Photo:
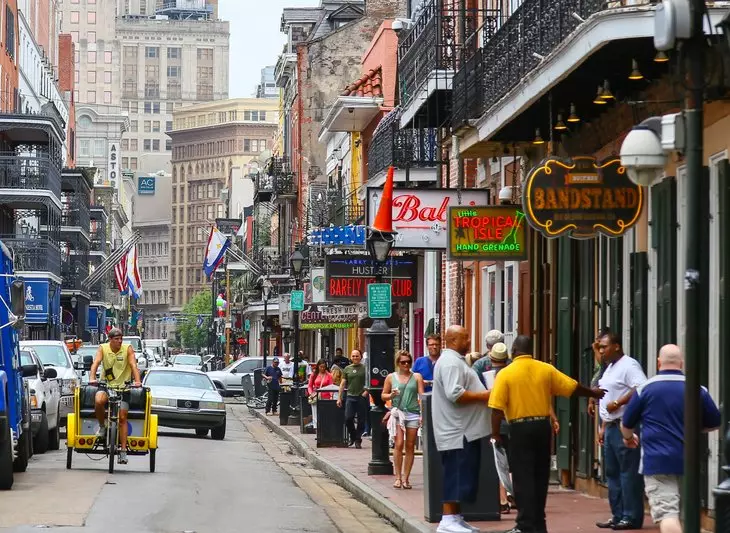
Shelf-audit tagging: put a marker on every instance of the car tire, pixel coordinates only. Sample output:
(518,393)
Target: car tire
(54,436)
(219,432)
(6,461)
(21,461)
(201,432)
(40,443)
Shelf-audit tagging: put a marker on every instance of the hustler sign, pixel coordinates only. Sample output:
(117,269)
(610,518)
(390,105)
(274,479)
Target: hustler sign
(581,197)
(349,275)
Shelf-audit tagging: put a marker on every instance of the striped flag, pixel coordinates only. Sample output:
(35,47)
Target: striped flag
(120,274)
(134,280)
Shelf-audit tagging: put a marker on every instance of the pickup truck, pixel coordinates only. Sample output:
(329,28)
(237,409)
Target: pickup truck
(15,433)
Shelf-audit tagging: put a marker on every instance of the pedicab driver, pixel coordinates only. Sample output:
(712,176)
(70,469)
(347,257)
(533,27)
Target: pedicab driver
(118,366)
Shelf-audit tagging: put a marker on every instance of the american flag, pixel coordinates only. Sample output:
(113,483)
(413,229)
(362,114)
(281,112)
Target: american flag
(120,274)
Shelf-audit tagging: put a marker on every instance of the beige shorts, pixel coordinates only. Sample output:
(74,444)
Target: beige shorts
(664,496)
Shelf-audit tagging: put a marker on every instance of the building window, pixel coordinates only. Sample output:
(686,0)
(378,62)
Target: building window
(107,97)
(169,106)
(90,97)
(133,145)
(174,53)
(148,107)
(125,144)
(133,107)
(107,76)
(168,125)
(108,57)
(91,36)
(91,57)
(151,52)
(134,126)
(91,76)
(156,108)
(156,126)
(147,145)
(91,17)
(156,145)
(74,17)
(173,72)
(133,163)
(125,162)
(76,76)
(84,148)
(147,126)
(168,145)
(99,147)
(75,36)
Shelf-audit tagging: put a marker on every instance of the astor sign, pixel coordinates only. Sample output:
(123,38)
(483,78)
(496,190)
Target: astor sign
(420,216)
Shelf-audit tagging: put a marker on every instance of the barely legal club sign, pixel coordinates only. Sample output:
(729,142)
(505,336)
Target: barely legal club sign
(581,197)
(349,275)
(487,233)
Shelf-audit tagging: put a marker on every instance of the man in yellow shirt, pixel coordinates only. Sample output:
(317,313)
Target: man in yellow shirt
(523,393)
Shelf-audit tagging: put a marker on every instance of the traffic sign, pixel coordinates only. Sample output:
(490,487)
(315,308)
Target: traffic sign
(200,320)
(297,301)
(380,301)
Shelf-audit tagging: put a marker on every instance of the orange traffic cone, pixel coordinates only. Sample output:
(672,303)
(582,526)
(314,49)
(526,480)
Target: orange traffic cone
(384,218)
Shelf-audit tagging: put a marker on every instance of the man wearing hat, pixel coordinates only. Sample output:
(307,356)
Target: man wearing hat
(273,376)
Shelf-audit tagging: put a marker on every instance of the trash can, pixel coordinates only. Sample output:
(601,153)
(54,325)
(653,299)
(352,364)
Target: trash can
(285,399)
(258,382)
(486,506)
(331,430)
(305,412)
(294,405)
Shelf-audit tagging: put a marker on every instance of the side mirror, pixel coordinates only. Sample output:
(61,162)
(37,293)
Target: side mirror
(234,371)
(17,303)
(50,373)
(29,371)
(88,361)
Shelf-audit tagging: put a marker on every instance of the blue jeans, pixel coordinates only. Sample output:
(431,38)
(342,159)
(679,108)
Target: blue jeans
(625,484)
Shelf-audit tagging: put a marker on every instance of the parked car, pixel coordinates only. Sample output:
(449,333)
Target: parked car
(55,354)
(184,398)
(45,403)
(229,380)
(187,360)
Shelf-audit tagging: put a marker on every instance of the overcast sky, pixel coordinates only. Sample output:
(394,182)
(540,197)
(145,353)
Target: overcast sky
(255,39)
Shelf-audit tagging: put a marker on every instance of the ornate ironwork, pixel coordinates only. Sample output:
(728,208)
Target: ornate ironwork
(345,208)
(264,188)
(74,270)
(75,211)
(408,148)
(284,181)
(32,172)
(34,254)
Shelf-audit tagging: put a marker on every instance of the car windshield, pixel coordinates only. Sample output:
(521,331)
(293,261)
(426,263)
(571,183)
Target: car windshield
(134,341)
(187,380)
(187,360)
(52,355)
(87,350)
(26,358)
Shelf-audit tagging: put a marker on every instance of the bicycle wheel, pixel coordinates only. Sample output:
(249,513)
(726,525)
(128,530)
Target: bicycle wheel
(112,445)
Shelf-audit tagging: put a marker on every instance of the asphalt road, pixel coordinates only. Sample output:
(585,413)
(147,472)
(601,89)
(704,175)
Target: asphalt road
(201,486)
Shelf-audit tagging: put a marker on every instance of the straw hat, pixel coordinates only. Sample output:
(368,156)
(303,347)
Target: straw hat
(498,352)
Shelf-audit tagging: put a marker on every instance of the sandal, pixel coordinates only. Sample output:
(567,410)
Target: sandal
(407,485)
(398,484)
(504,508)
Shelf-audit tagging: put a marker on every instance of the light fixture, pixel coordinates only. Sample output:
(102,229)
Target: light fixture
(538,138)
(635,72)
(606,93)
(560,125)
(379,244)
(296,261)
(266,289)
(598,100)
(74,301)
(661,57)
(573,117)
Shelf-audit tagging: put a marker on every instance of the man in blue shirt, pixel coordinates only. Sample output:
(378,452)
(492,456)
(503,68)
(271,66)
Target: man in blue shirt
(273,376)
(658,406)
(424,365)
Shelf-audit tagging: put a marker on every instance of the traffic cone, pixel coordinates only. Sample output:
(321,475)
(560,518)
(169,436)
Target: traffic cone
(384,218)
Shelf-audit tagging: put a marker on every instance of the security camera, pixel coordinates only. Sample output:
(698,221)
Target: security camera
(505,195)
(642,154)
(401,24)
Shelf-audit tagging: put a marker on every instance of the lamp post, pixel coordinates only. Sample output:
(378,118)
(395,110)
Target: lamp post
(296,261)
(74,302)
(265,293)
(380,342)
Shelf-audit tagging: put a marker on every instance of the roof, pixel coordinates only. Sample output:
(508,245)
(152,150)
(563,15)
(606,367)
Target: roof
(371,85)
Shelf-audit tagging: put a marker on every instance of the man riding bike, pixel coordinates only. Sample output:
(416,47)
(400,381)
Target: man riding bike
(118,366)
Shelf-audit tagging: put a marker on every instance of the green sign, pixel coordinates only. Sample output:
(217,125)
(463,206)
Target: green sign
(297,301)
(380,301)
(247,325)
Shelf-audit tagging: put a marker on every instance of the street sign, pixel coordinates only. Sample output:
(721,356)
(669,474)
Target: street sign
(247,325)
(297,301)
(200,320)
(380,302)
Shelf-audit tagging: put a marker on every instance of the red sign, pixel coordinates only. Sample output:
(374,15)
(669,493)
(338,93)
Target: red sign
(348,277)
(357,288)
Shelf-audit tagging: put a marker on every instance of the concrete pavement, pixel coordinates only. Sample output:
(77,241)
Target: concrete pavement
(200,486)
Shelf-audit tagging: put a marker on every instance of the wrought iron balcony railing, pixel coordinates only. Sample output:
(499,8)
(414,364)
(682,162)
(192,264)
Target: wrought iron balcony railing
(345,210)
(408,148)
(34,254)
(74,271)
(264,188)
(29,172)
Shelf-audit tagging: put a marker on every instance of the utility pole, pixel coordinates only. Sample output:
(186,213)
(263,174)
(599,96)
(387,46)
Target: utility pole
(228,315)
(694,57)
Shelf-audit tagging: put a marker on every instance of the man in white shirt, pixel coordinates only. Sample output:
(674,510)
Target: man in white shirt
(287,367)
(460,420)
(625,485)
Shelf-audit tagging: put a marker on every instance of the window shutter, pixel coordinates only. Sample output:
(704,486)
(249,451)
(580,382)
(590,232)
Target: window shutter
(564,346)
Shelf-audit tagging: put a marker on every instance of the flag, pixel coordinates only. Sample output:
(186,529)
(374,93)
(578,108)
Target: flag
(134,281)
(120,274)
(215,251)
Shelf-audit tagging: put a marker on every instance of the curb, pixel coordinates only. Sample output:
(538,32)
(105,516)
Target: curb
(395,515)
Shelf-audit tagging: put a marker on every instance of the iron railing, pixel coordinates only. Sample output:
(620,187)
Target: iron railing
(408,148)
(264,188)
(74,271)
(29,172)
(345,208)
(75,210)
(284,181)
(34,254)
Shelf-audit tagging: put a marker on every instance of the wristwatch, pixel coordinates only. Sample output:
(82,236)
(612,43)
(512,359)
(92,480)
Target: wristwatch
(615,402)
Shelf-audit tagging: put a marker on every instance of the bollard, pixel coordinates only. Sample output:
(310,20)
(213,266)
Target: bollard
(722,493)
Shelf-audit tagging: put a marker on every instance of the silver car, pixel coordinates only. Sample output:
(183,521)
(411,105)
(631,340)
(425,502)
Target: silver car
(185,398)
(187,360)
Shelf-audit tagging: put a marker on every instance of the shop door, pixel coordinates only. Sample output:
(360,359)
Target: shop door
(564,356)
(664,240)
(586,251)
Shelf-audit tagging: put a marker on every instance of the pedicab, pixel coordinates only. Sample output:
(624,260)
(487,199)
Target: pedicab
(141,424)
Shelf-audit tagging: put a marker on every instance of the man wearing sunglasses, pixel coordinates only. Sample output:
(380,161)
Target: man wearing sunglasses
(119,365)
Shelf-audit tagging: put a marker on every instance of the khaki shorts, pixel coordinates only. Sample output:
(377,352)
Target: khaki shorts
(664,496)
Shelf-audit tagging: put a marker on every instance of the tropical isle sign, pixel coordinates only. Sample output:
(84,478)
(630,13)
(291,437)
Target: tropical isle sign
(581,197)
(488,233)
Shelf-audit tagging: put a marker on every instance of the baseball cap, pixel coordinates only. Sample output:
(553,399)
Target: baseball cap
(275,360)
(498,352)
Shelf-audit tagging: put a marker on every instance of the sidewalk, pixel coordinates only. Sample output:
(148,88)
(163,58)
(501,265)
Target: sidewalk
(567,510)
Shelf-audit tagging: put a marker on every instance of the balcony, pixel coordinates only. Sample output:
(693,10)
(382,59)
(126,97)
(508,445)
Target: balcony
(74,271)
(25,179)
(411,150)
(283,179)
(34,254)
(285,67)
(264,188)
(345,210)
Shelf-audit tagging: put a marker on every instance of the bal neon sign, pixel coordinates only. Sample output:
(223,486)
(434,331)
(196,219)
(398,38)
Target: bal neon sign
(487,233)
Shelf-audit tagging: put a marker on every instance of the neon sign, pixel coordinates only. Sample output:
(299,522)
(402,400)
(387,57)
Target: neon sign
(487,233)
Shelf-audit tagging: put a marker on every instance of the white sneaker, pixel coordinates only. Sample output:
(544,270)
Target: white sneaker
(453,527)
(474,529)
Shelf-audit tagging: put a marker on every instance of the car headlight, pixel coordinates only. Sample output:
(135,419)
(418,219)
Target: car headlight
(212,405)
(68,386)
(163,402)
(34,401)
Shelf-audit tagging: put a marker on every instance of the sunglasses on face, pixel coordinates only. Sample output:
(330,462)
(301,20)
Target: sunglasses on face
(405,362)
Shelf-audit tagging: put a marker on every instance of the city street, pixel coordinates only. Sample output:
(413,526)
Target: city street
(200,486)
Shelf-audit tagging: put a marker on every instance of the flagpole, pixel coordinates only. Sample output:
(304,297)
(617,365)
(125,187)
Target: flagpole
(228,318)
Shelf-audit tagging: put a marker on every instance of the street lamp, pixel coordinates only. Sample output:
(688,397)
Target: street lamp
(296,261)
(380,341)
(265,293)
(74,301)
